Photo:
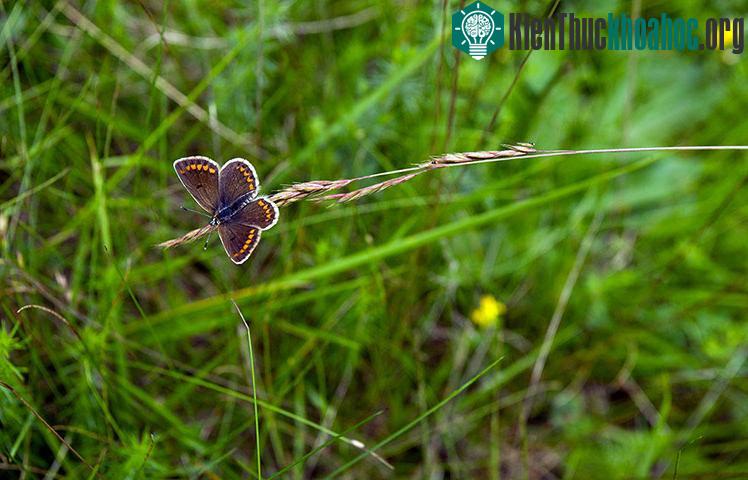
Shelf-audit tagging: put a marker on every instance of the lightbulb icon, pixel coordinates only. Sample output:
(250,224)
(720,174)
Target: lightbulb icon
(478,28)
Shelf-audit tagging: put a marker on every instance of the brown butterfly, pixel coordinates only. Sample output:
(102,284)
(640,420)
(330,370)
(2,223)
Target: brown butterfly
(229,195)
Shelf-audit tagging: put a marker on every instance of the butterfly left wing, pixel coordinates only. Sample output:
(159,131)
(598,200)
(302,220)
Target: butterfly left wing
(238,240)
(199,175)
(238,178)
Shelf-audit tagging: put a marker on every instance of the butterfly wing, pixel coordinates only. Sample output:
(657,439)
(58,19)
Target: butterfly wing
(199,175)
(238,240)
(241,234)
(261,213)
(238,177)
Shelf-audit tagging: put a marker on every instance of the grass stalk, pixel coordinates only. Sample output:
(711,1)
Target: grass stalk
(254,390)
(319,190)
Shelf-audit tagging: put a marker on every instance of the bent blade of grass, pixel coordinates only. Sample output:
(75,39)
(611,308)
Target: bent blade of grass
(398,246)
(416,420)
(254,389)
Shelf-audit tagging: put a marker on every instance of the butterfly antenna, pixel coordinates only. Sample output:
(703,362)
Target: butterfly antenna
(204,214)
(205,247)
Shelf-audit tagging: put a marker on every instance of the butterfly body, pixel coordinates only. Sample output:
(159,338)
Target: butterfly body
(227,212)
(229,195)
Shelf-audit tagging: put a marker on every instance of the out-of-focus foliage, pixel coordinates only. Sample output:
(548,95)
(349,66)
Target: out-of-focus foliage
(366,307)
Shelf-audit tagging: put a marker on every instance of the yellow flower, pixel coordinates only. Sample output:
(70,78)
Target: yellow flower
(488,312)
(728,39)
(727,56)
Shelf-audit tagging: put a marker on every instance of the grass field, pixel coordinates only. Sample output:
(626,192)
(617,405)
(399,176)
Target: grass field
(573,317)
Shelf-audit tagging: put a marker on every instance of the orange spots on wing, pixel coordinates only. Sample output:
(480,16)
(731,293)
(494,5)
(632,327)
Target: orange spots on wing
(198,167)
(267,209)
(247,244)
(248,175)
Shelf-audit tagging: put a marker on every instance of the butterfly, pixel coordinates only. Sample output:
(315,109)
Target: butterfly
(229,195)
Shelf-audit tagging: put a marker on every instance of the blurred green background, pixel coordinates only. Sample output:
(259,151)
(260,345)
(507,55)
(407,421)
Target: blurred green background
(387,305)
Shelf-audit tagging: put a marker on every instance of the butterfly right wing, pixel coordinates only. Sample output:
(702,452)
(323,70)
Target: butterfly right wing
(238,240)
(199,175)
(261,213)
